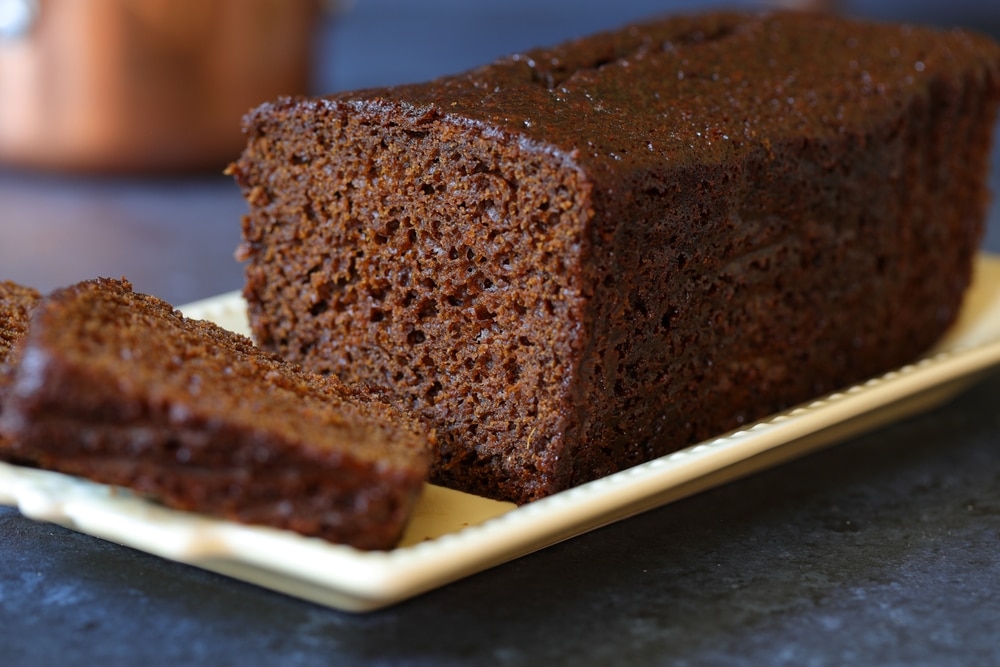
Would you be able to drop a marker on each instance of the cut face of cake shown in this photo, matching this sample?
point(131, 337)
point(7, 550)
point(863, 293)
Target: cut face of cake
point(579, 258)
point(120, 388)
point(16, 302)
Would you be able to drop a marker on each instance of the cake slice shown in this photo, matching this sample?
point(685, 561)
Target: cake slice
point(16, 302)
point(576, 259)
point(120, 388)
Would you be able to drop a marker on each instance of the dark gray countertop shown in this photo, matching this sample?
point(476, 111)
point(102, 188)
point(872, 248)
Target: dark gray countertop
point(880, 551)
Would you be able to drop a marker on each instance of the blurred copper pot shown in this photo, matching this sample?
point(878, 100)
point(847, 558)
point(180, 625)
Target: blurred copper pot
point(126, 85)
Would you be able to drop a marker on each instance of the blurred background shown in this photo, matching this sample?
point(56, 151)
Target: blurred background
point(117, 117)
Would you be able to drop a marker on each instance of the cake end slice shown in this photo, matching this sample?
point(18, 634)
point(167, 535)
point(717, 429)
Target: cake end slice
point(120, 388)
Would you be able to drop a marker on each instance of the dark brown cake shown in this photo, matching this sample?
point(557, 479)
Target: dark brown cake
point(16, 302)
point(576, 259)
point(120, 388)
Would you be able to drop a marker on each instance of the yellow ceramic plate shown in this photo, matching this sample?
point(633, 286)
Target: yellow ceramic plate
point(454, 534)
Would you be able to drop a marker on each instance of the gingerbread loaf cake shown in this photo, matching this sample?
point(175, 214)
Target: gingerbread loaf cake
point(16, 302)
point(576, 259)
point(120, 388)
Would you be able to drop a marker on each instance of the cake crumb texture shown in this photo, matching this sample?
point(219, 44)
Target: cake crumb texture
point(16, 302)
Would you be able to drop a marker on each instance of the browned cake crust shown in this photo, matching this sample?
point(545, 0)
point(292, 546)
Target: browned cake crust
point(16, 302)
point(576, 259)
point(121, 388)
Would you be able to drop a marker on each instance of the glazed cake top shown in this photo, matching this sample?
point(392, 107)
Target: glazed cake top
point(699, 87)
